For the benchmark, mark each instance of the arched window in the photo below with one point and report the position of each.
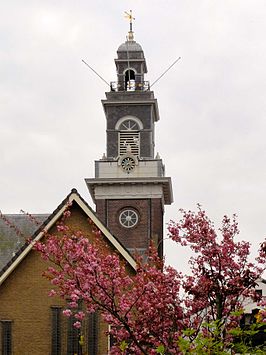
(130, 83)
(129, 125)
(129, 128)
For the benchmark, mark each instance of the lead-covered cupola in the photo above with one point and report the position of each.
(131, 66)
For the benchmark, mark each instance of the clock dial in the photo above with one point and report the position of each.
(128, 164)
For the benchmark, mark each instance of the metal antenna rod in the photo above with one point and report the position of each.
(165, 71)
(96, 73)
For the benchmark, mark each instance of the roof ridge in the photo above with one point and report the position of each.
(41, 229)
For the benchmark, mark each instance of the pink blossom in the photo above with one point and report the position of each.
(77, 325)
(152, 305)
(67, 312)
(52, 293)
(67, 214)
(80, 315)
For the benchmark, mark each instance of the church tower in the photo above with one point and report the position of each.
(129, 188)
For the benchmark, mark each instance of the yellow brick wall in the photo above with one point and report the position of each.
(24, 300)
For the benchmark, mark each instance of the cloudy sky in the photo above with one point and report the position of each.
(212, 103)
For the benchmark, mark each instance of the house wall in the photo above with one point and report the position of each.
(24, 300)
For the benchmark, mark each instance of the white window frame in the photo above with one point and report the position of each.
(126, 118)
(128, 137)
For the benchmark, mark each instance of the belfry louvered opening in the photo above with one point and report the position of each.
(129, 137)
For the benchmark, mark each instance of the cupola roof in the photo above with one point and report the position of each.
(130, 46)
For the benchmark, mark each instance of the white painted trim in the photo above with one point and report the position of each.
(73, 197)
(136, 191)
(128, 117)
(106, 232)
(31, 244)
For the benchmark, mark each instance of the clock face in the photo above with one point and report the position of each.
(128, 218)
(128, 164)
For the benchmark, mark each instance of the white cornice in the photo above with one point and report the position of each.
(165, 182)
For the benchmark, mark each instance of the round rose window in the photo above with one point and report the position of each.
(128, 218)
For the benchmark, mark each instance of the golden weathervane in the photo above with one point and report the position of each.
(130, 17)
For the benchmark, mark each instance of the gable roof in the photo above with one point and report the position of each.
(50, 221)
(14, 230)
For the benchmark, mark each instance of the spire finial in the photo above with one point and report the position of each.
(130, 17)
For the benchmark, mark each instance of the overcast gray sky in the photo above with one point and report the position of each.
(212, 104)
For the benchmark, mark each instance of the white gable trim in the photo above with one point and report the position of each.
(104, 230)
(31, 244)
(72, 197)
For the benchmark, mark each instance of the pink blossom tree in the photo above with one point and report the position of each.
(221, 274)
(153, 308)
(143, 308)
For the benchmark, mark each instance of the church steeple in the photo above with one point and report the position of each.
(131, 93)
(129, 188)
